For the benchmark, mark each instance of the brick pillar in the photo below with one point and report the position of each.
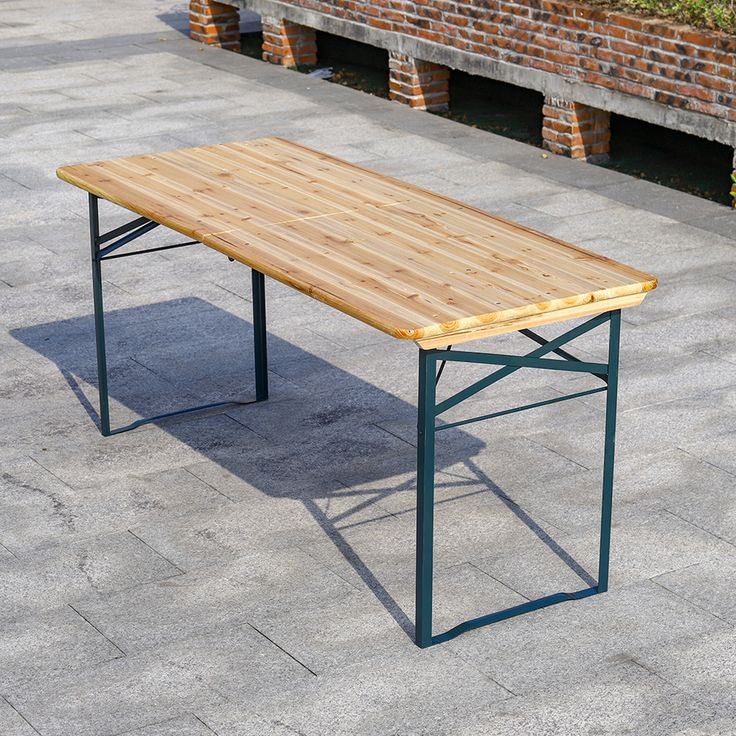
(576, 130)
(215, 23)
(419, 84)
(287, 43)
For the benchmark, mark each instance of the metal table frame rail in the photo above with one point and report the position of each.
(427, 427)
(121, 236)
(428, 411)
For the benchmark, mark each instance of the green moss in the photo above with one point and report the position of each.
(713, 14)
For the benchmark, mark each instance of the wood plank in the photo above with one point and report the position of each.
(413, 263)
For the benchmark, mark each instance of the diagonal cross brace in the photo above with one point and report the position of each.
(563, 353)
(550, 347)
(142, 230)
(126, 228)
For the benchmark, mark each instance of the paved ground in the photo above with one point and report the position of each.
(250, 573)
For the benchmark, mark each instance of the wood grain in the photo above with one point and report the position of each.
(412, 263)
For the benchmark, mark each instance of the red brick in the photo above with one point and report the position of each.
(288, 44)
(575, 130)
(214, 23)
(419, 84)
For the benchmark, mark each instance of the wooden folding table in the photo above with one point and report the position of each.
(414, 264)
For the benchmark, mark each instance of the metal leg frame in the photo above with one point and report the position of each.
(429, 410)
(121, 236)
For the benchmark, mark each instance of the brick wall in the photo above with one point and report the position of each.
(678, 66)
(587, 61)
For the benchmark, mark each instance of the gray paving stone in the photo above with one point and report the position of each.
(679, 205)
(567, 172)
(196, 540)
(581, 639)
(683, 298)
(617, 223)
(646, 544)
(12, 722)
(48, 645)
(706, 584)
(494, 183)
(105, 458)
(238, 662)
(236, 719)
(260, 583)
(40, 510)
(150, 616)
(669, 254)
(185, 725)
(571, 203)
(113, 697)
(59, 574)
(716, 450)
(646, 483)
(722, 224)
(341, 632)
(702, 666)
(385, 693)
(649, 426)
(625, 699)
(702, 494)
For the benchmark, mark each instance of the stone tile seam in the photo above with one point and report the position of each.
(718, 357)
(137, 728)
(20, 715)
(492, 577)
(690, 397)
(155, 551)
(689, 602)
(285, 651)
(186, 469)
(697, 526)
(562, 455)
(123, 653)
(703, 460)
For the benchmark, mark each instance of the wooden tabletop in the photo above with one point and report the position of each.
(412, 263)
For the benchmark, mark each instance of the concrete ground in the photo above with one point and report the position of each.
(250, 573)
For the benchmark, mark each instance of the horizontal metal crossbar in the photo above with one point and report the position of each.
(517, 409)
(178, 412)
(121, 230)
(491, 618)
(552, 345)
(522, 361)
(559, 351)
(150, 250)
(142, 230)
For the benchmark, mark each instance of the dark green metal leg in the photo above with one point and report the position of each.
(122, 236)
(425, 497)
(610, 450)
(429, 410)
(259, 335)
(94, 235)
